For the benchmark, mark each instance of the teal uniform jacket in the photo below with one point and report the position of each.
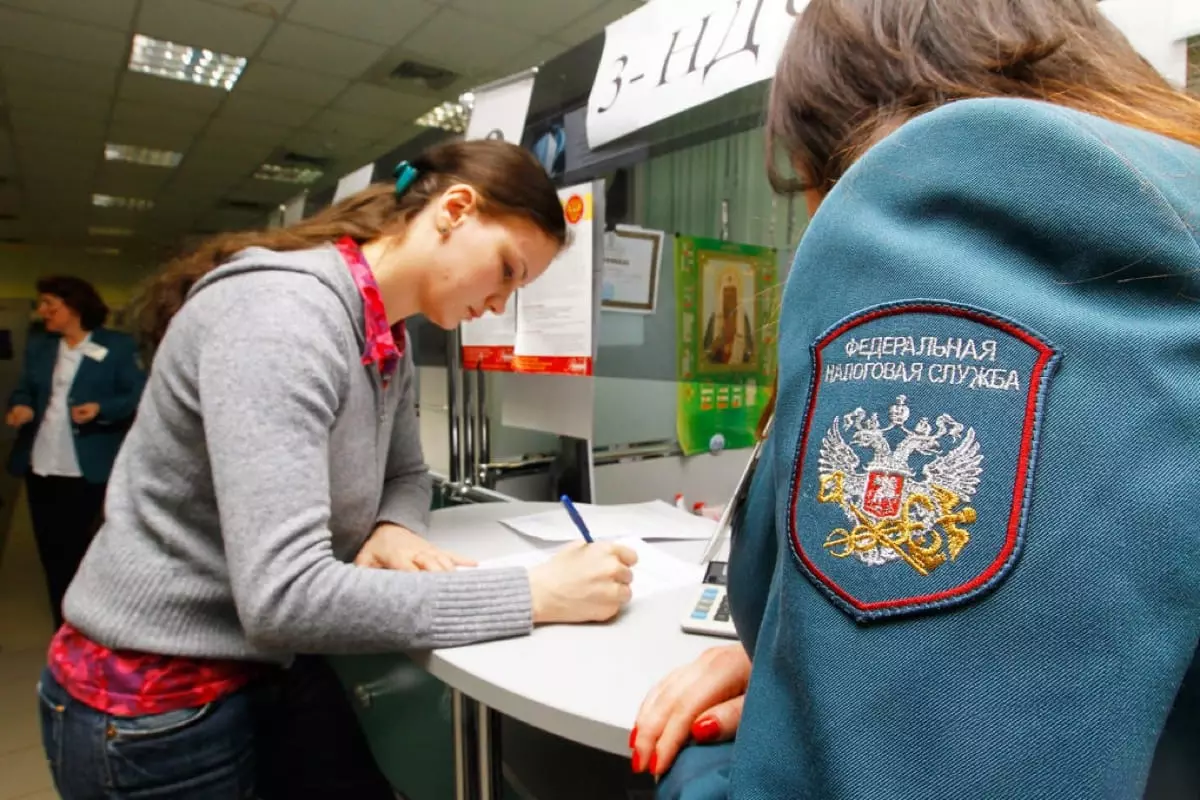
(969, 566)
(115, 382)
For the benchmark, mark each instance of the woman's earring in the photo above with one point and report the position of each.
(444, 232)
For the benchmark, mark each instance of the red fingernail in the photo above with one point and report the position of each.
(705, 730)
(637, 762)
(632, 737)
(654, 764)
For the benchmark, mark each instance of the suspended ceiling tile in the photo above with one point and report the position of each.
(539, 17)
(41, 98)
(264, 108)
(586, 27)
(223, 157)
(129, 112)
(298, 46)
(464, 43)
(49, 36)
(21, 67)
(379, 22)
(325, 144)
(375, 101)
(158, 138)
(335, 121)
(170, 94)
(290, 83)
(541, 52)
(117, 14)
(266, 192)
(229, 128)
(204, 25)
(39, 126)
(264, 8)
(131, 180)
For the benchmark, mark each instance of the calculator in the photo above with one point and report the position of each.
(710, 614)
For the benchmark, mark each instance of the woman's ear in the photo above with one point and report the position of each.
(457, 203)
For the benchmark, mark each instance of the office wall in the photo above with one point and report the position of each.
(115, 277)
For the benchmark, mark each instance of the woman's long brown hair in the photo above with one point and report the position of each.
(510, 181)
(855, 70)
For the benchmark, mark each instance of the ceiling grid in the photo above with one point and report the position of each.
(317, 84)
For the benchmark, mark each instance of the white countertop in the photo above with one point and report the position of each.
(582, 682)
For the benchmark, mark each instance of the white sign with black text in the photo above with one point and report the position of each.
(672, 55)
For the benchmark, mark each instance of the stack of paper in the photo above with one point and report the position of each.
(655, 571)
(647, 521)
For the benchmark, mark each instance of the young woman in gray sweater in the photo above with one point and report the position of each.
(271, 495)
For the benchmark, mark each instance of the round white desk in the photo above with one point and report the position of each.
(581, 682)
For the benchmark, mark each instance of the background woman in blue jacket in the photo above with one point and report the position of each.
(77, 394)
(967, 564)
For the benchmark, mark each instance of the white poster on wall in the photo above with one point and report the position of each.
(672, 55)
(500, 108)
(354, 182)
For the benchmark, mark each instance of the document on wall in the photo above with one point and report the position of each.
(632, 262)
(487, 343)
(556, 314)
(651, 521)
(654, 573)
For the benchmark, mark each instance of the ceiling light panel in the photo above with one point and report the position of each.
(449, 116)
(281, 174)
(180, 62)
(128, 203)
(146, 156)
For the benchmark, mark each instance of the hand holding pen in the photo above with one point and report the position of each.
(585, 582)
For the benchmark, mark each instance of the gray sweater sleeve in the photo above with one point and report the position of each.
(407, 488)
(270, 375)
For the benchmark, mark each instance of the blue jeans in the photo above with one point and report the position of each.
(204, 753)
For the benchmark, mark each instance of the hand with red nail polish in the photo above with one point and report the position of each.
(702, 700)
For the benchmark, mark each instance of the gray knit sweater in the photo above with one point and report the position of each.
(263, 455)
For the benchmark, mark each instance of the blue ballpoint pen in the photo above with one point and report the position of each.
(573, 513)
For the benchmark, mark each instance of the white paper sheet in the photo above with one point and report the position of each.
(654, 572)
(556, 314)
(648, 521)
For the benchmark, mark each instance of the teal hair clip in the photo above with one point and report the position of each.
(406, 175)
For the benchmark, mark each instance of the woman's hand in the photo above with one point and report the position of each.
(18, 416)
(702, 700)
(582, 583)
(85, 413)
(394, 547)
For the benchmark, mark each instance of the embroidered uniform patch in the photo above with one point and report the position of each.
(912, 474)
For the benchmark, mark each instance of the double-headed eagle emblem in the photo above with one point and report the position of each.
(894, 513)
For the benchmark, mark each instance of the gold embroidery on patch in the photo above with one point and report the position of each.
(896, 515)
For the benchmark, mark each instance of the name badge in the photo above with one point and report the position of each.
(916, 460)
(95, 351)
